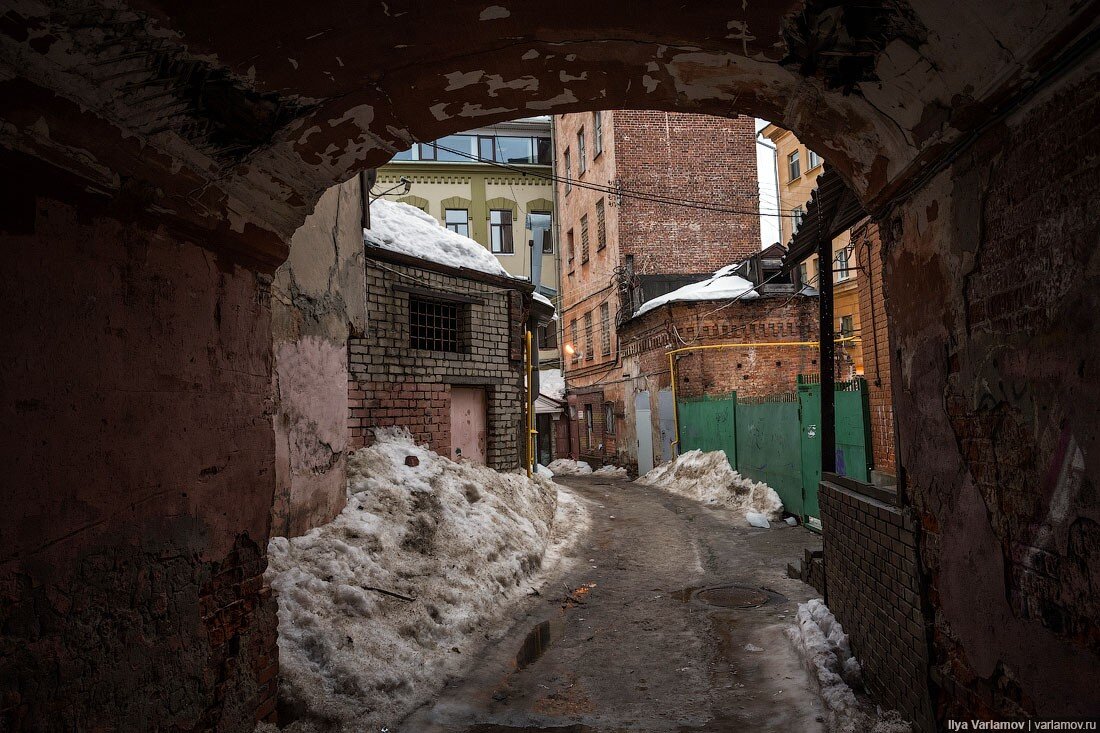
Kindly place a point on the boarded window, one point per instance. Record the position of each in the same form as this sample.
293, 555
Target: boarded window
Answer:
605, 330
601, 226
435, 325
573, 337
589, 354
584, 239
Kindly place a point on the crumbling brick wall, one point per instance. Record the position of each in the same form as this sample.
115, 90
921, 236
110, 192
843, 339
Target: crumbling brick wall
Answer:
391, 384
138, 493
872, 586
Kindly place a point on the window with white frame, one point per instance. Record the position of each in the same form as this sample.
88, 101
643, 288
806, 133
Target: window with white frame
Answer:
842, 272
582, 159
597, 133
815, 160
797, 215
500, 232
794, 166
458, 221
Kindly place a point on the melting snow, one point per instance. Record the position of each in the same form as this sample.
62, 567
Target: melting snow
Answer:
406, 229
823, 645
552, 383
569, 467
609, 470
722, 285
708, 478
462, 540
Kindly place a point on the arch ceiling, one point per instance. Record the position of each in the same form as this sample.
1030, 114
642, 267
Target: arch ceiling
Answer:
230, 119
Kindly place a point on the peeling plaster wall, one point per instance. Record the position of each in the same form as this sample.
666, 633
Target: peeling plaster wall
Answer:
135, 397
318, 300
997, 407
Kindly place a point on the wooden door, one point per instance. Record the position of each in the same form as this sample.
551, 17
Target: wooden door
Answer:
469, 424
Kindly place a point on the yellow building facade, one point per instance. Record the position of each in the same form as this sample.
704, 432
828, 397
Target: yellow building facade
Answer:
798, 169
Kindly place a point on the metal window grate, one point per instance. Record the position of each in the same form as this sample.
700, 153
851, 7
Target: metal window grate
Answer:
433, 325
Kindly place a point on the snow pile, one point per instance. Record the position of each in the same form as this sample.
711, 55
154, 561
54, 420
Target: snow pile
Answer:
609, 470
823, 645
406, 229
543, 471
722, 285
552, 383
708, 478
377, 607
569, 467
756, 519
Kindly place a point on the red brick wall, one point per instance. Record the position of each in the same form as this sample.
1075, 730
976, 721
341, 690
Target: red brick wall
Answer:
867, 246
423, 408
687, 156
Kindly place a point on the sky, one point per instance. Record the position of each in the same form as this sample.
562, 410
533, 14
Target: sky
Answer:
765, 169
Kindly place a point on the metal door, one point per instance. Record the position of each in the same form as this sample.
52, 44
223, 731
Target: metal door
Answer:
666, 415
468, 424
643, 426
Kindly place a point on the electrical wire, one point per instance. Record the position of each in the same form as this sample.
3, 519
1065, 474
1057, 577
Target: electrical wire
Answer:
621, 192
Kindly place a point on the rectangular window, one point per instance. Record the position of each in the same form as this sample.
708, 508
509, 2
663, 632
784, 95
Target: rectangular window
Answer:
597, 133
576, 343
582, 161
589, 439
605, 330
548, 336
804, 271
584, 239
847, 325
601, 226
814, 159
571, 246
568, 172
589, 353
500, 232
485, 148
544, 151
609, 419
794, 166
842, 272
797, 214
435, 325
458, 221
455, 148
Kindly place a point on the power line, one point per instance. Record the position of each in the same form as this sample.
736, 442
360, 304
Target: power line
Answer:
621, 192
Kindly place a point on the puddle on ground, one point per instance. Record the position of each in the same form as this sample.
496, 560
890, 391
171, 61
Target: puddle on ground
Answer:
536, 643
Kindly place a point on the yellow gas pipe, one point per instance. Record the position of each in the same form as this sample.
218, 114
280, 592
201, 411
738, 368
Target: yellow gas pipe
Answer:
531, 432
764, 344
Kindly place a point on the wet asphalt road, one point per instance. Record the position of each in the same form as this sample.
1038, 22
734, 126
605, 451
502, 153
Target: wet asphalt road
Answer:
639, 635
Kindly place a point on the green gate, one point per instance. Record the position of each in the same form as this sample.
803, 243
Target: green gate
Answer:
707, 423
768, 446
853, 440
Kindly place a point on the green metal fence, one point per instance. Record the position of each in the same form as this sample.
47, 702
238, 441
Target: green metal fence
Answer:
777, 439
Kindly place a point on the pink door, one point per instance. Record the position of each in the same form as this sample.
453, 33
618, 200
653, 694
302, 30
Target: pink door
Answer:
468, 424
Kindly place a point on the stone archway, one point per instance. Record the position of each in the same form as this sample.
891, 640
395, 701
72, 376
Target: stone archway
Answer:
159, 155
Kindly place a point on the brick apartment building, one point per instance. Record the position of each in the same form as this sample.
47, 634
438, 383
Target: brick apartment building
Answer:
618, 251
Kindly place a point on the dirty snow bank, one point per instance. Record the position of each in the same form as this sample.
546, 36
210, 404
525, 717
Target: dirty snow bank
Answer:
823, 645
569, 467
461, 540
406, 229
708, 478
609, 470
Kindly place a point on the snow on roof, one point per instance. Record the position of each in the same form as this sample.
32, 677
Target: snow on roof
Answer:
722, 285
406, 229
545, 301
552, 384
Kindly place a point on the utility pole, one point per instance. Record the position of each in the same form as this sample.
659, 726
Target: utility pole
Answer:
826, 351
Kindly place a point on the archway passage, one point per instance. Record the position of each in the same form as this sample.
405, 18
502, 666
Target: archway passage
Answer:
158, 156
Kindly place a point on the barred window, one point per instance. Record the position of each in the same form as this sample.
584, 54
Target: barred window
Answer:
601, 226
435, 325
576, 344
589, 354
584, 239
605, 330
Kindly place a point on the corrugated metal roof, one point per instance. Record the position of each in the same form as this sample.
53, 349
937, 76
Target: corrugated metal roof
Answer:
833, 208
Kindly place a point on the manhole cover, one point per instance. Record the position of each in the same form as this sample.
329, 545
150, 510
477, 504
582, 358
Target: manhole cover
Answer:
733, 597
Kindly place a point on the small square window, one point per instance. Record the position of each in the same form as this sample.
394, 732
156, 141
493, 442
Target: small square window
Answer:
435, 325
458, 221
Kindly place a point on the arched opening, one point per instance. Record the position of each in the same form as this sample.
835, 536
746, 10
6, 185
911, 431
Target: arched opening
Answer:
159, 158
